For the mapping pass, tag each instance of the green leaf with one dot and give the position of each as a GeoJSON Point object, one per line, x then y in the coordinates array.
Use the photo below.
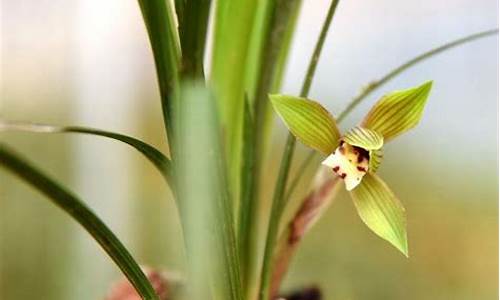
{"type": "Point", "coordinates": [247, 170]}
{"type": "Point", "coordinates": [159, 160]}
{"type": "Point", "coordinates": [233, 25]}
{"type": "Point", "coordinates": [364, 138]}
{"type": "Point", "coordinates": [265, 56]}
{"type": "Point", "coordinates": [381, 211]}
{"type": "Point", "coordinates": [159, 18]}
{"type": "Point", "coordinates": [288, 36]}
{"type": "Point", "coordinates": [83, 215]}
{"type": "Point", "coordinates": [193, 36]}
{"type": "Point", "coordinates": [397, 112]}
{"type": "Point", "coordinates": [309, 122]}
{"type": "Point", "coordinates": [203, 196]}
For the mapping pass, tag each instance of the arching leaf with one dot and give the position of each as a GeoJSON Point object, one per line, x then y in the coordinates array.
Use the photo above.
{"type": "Point", "coordinates": [64, 199]}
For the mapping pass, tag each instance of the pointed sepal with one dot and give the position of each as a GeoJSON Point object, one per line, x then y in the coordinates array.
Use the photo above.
{"type": "Point", "coordinates": [381, 211]}
{"type": "Point", "coordinates": [398, 112]}
{"type": "Point", "coordinates": [308, 121]}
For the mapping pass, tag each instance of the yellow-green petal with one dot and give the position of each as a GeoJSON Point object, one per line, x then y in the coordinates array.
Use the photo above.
{"type": "Point", "coordinates": [397, 112]}
{"type": "Point", "coordinates": [375, 160]}
{"type": "Point", "coordinates": [364, 138]}
{"type": "Point", "coordinates": [381, 211]}
{"type": "Point", "coordinates": [308, 121]}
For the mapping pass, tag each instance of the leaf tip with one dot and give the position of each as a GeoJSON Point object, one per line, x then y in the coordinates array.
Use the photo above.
{"type": "Point", "coordinates": [426, 87]}
{"type": "Point", "coordinates": [402, 246]}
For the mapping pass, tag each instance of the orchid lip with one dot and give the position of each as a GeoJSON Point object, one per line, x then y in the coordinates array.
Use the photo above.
{"type": "Point", "coordinates": [350, 163]}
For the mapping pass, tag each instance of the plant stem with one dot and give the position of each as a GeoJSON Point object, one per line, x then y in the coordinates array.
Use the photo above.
{"type": "Point", "coordinates": [83, 215]}
{"type": "Point", "coordinates": [279, 201]}
{"type": "Point", "coordinates": [302, 168]}
{"type": "Point", "coordinates": [393, 73]}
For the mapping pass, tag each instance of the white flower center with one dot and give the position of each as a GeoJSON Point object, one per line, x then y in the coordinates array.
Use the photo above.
{"type": "Point", "coordinates": [350, 163]}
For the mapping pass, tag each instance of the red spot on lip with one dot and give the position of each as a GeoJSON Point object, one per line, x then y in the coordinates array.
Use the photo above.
{"type": "Point", "coordinates": [361, 169]}
{"type": "Point", "coordinates": [343, 175]}
{"type": "Point", "coordinates": [362, 154]}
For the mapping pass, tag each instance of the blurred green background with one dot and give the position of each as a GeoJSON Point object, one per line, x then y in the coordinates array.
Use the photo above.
{"type": "Point", "coordinates": [87, 62]}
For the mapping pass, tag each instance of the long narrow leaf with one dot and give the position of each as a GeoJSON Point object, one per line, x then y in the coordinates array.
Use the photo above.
{"type": "Point", "coordinates": [246, 184]}
{"type": "Point", "coordinates": [206, 209]}
{"type": "Point", "coordinates": [179, 11]}
{"type": "Point", "coordinates": [61, 197]}
{"type": "Point", "coordinates": [193, 35]}
{"type": "Point", "coordinates": [412, 62]}
{"type": "Point", "coordinates": [280, 14]}
{"type": "Point", "coordinates": [277, 19]}
{"type": "Point", "coordinates": [159, 160]}
{"type": "Point", "coordinates": [234, 22]}
{"type": "Point", "coordinates": [277, 209]}
{"type": "Point", "coordinates": [286, 44]}
{"type": "Point", "coordinates": [159, 18]}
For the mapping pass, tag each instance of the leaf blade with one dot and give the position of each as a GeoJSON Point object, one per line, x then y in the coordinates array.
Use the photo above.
{"type": "Point", "coordinates": [203, 195]}
{"type": "Point", "coordinates": [83, 215]}
{"type": "Point", "coordinates": [193, 35]}
{"type": "Point", "coordinates": [381, 211]}
{"type": "Point", "coordinates": [155, 156]}
{"type": "Point", "coordinates": [159, 19]}
{"type": "Point", "coordinates": [308, 121]}
{"type": "Point", "coordinates": [246, 182]}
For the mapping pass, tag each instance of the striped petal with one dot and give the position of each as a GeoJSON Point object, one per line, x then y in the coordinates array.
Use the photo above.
{"type": "Point", "coordinates": [381, 211]}
{"type": "Point", "coordinates": [398, 111]}
{"type": "Point", "coordinates": [364, 138]}
{"type": "Point", "coordinates": [308, 121]}
{"type": "Point", "coordinates": [375, 160]}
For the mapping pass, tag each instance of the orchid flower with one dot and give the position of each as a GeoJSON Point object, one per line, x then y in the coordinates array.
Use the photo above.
{"type": "Point", "coordinates": [356, 156]}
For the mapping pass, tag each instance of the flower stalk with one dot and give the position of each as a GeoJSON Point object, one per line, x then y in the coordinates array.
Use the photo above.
{"type": "Point", "coordinates": [279, 201]}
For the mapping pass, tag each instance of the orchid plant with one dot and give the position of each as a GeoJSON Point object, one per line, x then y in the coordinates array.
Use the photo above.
{"type": "Point", "coordinates": [356, 156]}
{"type": "Point", "coordinates": [226, 115]}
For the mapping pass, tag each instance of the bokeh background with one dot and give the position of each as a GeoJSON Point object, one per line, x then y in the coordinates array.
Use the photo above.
{"type": "Point", "coordinates": [87, 62]}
